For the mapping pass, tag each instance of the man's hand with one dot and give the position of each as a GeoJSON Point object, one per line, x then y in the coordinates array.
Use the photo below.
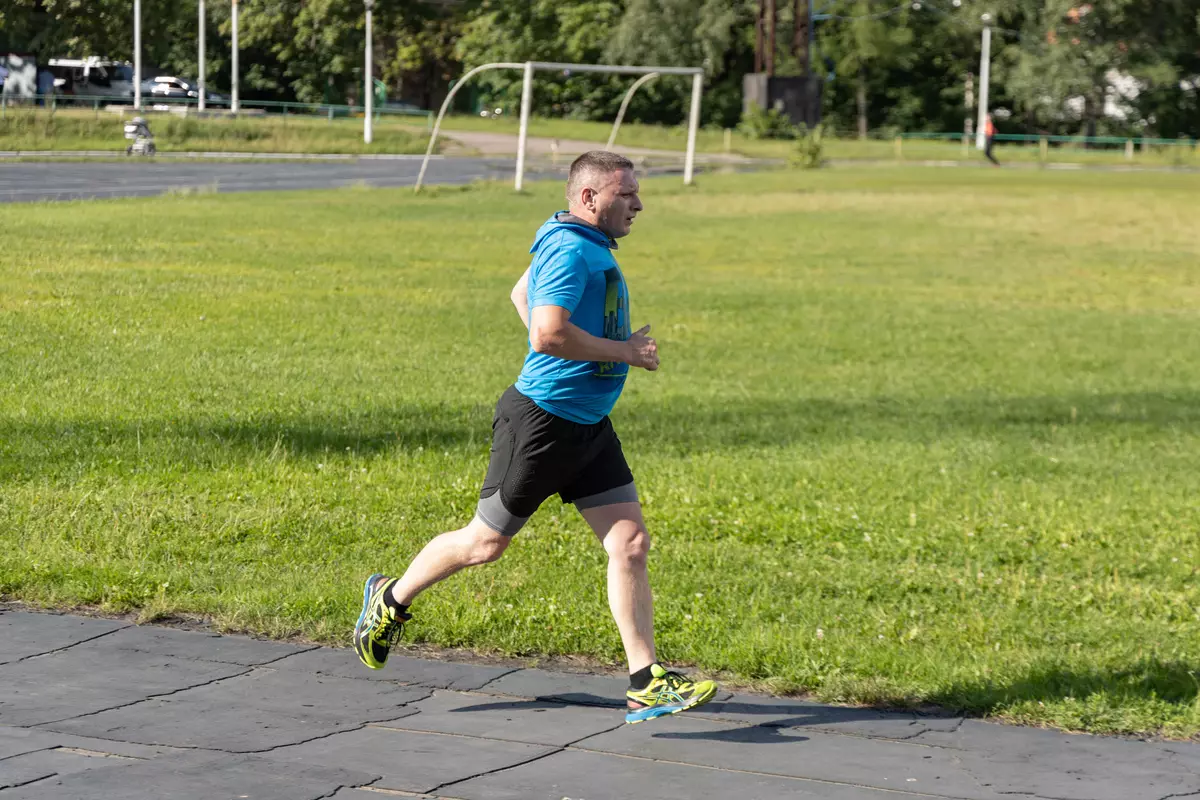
{"type": "Point", "coordinates": [643, 350]}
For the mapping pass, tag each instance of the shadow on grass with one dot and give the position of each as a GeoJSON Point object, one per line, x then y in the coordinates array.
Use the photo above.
{"type": "Point", "coordinates": [31, 448]}
{"type": "Point", "coordinates": [725, 423]}
{"type": "Point", "coordinates": [1148, 680]}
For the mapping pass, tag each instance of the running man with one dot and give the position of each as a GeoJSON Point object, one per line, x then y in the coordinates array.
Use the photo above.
{"type": "Point", "coordinates": [551, 435]}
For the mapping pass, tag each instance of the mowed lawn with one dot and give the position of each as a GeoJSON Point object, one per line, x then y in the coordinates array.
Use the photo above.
{"type": "Point", "coordinates": [920, 436]}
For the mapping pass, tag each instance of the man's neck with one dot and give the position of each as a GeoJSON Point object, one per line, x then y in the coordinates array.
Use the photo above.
{"type": "Point", "coordinates": [583, 214]}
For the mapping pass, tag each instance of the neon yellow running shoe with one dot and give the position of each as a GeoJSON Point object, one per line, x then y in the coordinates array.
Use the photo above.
{"type": "Point", "coordinates": [379, 626]}
{"type": "Point", "coordinates": [667, 693]}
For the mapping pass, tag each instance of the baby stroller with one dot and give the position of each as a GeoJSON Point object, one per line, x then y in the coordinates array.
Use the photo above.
{"type": "Point", "coordinates": [143, 140]}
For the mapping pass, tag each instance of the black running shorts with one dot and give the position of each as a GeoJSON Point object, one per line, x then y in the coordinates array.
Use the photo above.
{"type": "Point", "coordinates": [536, 454]}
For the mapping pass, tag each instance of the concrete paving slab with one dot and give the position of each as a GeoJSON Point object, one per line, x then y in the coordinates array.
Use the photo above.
{"type": "Point", "coordinates": [595, 776]}
{"type": "Point", "coordinates": [412, 762]}
{"type": "Point", "coordinates": [796, 753]}
{"type": "Point", "coordinates": [530, 721]}
{"type": "Point", "coordinates": [252, 713]}
{"type": "Point", "coordinates": [23, 635]}
{"type": "Point", "coordinates": [1015, 760]}
{"type": "Point", "coordinates": [786, 712]}
{"type": "Point", "coordinates": [15, 741]}
{"type": "Point", "coordinates": [198, 645]}
{"type": "Point", "coordinates": [43, 764]}
{"type": "Point", "coordinates": [399, 669]}
{"type": "Point", "coordinates": [195, 777]}
{"type": "Point", "coordinates": [64, 685]}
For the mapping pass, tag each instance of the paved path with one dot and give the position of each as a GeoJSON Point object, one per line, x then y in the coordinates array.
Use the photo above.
{"type": "Point", "coordinates": [28, 181]}
{"type": "Point", "coordinates": [94, 708]}
{"type": "Point", "coordinates": [24, 181]}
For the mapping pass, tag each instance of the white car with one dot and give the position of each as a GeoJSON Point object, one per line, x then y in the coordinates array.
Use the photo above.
{"type": "Point", "coordinates": [175, 88]}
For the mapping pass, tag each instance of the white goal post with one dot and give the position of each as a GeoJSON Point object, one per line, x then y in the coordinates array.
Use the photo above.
{"type": "Point", "coordinates": [527, 98]}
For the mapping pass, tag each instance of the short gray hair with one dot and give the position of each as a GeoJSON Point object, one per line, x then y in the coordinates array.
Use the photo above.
{"type": "Point", "coordinates": [593, 162]}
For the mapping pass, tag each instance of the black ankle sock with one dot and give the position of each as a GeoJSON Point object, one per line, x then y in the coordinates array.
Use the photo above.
{"type": "Point", "coordinates": [641, 679]}
{"type": "Point", "coordinates": [389, 600]}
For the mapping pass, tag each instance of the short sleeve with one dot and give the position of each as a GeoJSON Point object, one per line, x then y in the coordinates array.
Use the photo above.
{"type": "Point", "coordinates": [558, 277]}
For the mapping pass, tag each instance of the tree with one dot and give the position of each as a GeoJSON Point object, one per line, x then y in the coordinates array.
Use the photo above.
{"type": "Point", "coordinates": [683, 33]}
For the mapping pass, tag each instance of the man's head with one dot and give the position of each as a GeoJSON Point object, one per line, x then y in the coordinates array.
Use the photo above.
{"type": "Point", "coordinates": [602, 189]}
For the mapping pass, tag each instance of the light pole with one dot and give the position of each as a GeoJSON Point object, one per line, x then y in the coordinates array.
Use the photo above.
{"type": "Point", "coordinates": [201, 56]}
{"type": "Point", "coordinates": [233, 102]}
{"type": "Point", "coordinates": [985, 58]}
{"type": "Point", "coordinates": [137, 54]}
{"type": "Point", "coordinates": [369, 82]}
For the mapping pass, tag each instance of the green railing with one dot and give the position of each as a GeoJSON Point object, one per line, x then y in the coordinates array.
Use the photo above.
{"type": "Point", "coordinates": [1077, 141]}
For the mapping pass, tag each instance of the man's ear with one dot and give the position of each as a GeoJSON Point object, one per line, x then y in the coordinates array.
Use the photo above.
{"type": "Point", "coordinates": [586, 195]}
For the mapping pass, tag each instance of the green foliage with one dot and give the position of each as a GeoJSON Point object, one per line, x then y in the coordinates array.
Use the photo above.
{"type": "Point", "coordinates": [809, 152]}
{"type": "Point", "coordinates": [1054, 70]}
{"type": "Point", "coordinates": [766, 123]}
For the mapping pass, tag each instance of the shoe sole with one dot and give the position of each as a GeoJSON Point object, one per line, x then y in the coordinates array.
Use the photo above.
{"type": "Point", "coordinates": [362, 618]}
{"type": "Point", "coordinates": [654, 712]}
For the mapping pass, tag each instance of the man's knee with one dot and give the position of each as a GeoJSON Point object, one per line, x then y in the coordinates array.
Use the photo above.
{"type": "Point", "coordinates": [629, 542]}
{"type": "Point", "coordinates": [484, 545]}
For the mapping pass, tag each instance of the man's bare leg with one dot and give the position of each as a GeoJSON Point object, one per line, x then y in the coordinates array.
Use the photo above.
{"type": "Point", "coordinates": [622, 531]}
{"type": "Point", "coordinates": [448, 553]}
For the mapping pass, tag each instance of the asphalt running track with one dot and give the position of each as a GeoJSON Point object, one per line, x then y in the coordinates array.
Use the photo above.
{"type": "Point", "coordinates": [24, 181]}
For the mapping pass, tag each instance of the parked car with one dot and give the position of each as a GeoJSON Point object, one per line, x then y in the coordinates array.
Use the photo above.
{"type": "Point", "coordinates": [171, 87]}
{"type": "Point", "coordinates": [92, 77]}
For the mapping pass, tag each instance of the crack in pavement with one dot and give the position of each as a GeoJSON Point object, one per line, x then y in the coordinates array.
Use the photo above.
{"type": "Point", "coordinates": [223, 751]}
{"type": "Point", "coordinates": [553, 752]}
{"type": "Point", "coordinates": [140, 700]}
{"type": "Point", "coordinates": [29, 782]}
{"type": "Point", "coordinates": [493, 680]}
{"type": "Point", "coordinates": [68, 647]}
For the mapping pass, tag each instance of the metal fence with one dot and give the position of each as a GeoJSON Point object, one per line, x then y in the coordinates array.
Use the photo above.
{"type": "Point", "coordinates": [1131, 145]}
{"type": "Point", "coordinates": [190, 106]}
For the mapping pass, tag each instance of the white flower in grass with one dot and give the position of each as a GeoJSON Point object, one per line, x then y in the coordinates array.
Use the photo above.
{"type": "Point", "coordinates": [820, 633]}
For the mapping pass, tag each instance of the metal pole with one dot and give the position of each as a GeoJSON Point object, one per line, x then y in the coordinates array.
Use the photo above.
{"type": "Point", "coordinates": [810, 102]}
{"type": "Point", "coordinates": [526, 100]}
{"type": "Point", "coordinates": [368, 73]}
{"type": "Point", "coordinates": [137, 54]}
{"type": "Point", "coordinates": [693, 123]}
{"type": "Point", "coordinates": [201, 70]}
{"type": "Point", "coordinates": [233, 101]}
{"type": "Point", "coordinates": [985, 57]}
{"type": "Point", "coordinates": [808, 43]}
{"type": "Point", "coordinates": [612, 137]}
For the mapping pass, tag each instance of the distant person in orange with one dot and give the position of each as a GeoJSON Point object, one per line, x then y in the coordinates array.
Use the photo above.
{"type": "Point", "coordinates": [989, 139]}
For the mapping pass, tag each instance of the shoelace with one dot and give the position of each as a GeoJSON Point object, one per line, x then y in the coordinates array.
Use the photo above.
{"type": "Point", "coordinates": [674, 679]}
{"type": "Point", "coordinates": [389, 630]}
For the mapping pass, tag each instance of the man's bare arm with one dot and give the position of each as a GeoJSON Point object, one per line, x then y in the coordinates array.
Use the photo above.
{"type": "Point", "coordinates": [520, 297]}
{"type": "Point", "coordinates": [551, 332]}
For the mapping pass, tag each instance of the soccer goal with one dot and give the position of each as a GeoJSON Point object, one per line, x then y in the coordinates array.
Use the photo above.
{"type": "Point", "coordinates": [527, 98]}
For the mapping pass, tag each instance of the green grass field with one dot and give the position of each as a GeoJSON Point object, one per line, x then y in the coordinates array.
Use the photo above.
{"type": "Point", "coordinates": [920, 436]}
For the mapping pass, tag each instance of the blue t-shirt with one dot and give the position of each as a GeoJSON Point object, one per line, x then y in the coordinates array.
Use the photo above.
{"type": "Point", "coordinates": [573, 267]}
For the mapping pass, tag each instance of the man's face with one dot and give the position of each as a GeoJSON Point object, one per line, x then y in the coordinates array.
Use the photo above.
{"type": "Point", "coordinates": [616, 202]}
